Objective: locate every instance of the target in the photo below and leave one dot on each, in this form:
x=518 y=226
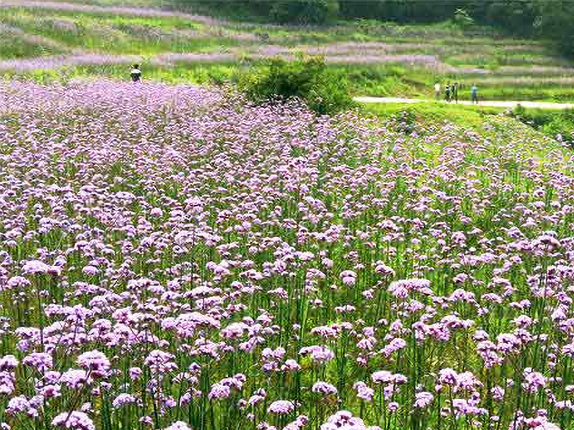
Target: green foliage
x=515 y=16
x=364 y=9
x=463 y=19
x=405 y=121
x=304 y=11
x=551 y=123
x=555 y=21
x=548 y=19
x=407 y=115
x=308 y=79
x=280 y=11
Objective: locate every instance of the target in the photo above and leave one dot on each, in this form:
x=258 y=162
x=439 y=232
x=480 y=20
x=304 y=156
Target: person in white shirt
x=437 y=90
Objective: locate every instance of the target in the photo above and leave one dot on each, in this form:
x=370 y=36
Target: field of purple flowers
x=172 y=257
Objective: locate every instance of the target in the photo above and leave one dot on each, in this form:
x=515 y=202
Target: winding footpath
x=488 y=103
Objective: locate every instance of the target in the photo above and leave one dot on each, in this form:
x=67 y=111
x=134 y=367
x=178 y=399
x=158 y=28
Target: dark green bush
x=555 y=22
x=324 y=90
x=281 y=11
x=305 y=11
x=361 y=9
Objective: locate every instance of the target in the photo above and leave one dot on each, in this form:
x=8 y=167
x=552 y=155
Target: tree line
x=538 y=18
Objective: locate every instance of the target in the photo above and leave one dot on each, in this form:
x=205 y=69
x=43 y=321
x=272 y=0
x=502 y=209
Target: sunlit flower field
x=173 y=258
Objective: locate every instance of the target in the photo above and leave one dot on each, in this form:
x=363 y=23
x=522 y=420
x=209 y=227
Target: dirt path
x=489 y=103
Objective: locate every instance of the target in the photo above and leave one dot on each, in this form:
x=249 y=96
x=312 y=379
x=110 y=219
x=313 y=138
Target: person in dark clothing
x=136 y=73
x=447 y=93
x=454 y=91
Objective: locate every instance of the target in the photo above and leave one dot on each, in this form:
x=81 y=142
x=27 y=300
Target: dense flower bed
x=173 y=258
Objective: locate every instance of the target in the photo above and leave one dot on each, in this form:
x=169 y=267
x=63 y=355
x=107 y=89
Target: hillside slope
x=379 y=59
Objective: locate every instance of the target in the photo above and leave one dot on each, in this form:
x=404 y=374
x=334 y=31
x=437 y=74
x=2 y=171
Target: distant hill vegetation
x=538 y=18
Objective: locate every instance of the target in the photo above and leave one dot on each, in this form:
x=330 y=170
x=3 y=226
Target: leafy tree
x=555 y=22
x=367 y=9
x=516 y=16
x=305 y=11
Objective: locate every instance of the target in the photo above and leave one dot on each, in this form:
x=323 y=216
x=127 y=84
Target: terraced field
x=379 y=59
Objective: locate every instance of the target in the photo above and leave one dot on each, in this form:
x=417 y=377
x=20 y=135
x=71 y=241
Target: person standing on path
x=437 y=90
x=474 y=94
x=447 y=93
x=136 y=73
x=454 y=92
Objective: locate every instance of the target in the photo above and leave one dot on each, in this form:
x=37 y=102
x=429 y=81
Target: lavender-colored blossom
x=179 y=425
x=95 y=361
x=423 y=399
x=323 y=388
x=123 y=399
x=40 y=360
x=281 y=407
x=35 y=267
x=73 y=420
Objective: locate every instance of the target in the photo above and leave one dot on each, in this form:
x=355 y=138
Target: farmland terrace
x=379 y=59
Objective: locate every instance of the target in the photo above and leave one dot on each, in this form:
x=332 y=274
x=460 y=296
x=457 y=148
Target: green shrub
x=551 y=123
x=554 y=21
x=304 y=11
x=561 y=125
x=308 y=79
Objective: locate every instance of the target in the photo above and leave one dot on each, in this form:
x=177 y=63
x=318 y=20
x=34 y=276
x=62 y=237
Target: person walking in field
x=136 y=73
x=447 y=93
x=437 y=90
x=474 y=94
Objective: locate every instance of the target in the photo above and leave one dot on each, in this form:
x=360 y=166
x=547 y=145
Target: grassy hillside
x=99 y=38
